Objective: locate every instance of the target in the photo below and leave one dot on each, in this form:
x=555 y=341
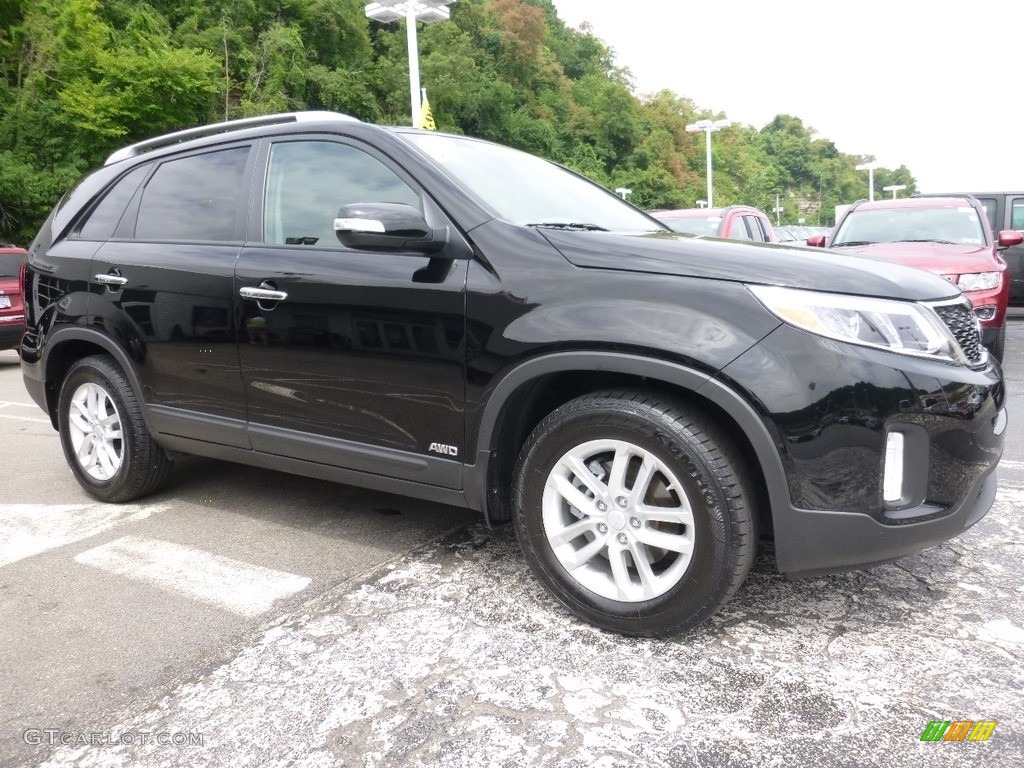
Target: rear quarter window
x=108 y=212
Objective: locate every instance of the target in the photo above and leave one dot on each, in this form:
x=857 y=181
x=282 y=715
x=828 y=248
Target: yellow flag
x=426 y=116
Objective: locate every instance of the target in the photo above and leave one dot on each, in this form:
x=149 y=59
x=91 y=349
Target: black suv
x=446 y=318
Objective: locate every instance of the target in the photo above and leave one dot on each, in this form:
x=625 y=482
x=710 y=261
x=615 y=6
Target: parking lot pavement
x=453 y=655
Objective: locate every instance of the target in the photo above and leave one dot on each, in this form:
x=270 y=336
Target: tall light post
x=709 y=127
x=412 y=11
x=870 y=168
x=894 y=188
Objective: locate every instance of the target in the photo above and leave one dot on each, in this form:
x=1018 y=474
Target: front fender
x=678 y=376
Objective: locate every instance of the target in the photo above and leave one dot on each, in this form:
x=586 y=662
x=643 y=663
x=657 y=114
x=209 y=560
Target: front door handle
x=112 y=280
x=262 y=294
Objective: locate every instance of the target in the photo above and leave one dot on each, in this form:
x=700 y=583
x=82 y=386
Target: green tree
x=79 y=78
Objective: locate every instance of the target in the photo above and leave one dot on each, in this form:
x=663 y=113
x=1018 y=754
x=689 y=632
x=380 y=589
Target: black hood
x=754 y=263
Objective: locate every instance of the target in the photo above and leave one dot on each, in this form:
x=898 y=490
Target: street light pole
x=412 y=11
x=870 y=168
x=894 y=188
x=412 y=42
x=709 y=127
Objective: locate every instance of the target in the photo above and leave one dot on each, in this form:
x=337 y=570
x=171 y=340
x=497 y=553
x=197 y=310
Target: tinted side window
x=308 y=181
x=105 y=216
x=757 y=230
x=738 y=230
x=1017 y=213
x=194 y=198
x=990 y=210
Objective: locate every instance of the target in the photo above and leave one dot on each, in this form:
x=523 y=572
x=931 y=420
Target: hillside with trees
x=81 y=78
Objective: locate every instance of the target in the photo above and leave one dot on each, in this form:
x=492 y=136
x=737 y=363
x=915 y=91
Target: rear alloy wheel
x=94 y=429
x=634 y=513
x=105 y=439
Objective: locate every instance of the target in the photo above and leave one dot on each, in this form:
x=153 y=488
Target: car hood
x=762 y=263
x=940 y=258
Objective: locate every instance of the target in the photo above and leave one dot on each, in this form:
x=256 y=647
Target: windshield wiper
x=940 y=242
x=853 y=242
x=575 y=225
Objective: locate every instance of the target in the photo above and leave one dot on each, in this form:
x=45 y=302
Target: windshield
x=703 y=226
x=960 y=225
x=528 y=190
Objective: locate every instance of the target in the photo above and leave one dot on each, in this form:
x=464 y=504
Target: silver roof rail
x=213 y=129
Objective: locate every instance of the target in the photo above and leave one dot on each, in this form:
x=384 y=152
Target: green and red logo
x=958 y=730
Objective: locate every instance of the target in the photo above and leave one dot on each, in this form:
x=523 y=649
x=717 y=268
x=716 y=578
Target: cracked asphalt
x=453 y=655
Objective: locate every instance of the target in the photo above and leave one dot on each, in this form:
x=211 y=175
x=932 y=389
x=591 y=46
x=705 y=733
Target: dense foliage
x=80 y=78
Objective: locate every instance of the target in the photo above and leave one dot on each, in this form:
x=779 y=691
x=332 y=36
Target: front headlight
x=899 y=326
x=979 y=281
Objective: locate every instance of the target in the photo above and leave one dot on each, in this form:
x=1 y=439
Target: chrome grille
x=964 y=326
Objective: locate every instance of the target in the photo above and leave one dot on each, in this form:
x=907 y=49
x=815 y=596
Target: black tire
x=998 y=347
x=105 y=440
x=674 y=445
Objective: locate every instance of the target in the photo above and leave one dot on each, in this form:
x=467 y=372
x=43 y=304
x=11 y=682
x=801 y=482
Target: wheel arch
x=531 y=390
x=65 y=347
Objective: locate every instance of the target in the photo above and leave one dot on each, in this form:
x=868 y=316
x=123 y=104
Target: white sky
x=936 y=85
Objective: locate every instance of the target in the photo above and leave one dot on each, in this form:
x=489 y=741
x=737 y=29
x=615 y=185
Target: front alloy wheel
x=635 y=512
x=618 y=520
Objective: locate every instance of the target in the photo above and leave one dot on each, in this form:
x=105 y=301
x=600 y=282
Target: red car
x=947 y=235
x=737 y=222
x=12 y=309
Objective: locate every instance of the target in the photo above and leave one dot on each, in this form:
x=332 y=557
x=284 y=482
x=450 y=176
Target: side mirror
x=816 y=241
x=1009 y=238
x=387 y=227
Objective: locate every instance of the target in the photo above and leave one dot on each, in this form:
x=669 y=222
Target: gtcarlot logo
x=52 y=737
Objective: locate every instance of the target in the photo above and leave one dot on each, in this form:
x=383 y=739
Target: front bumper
x=827 y=542
x=830 y=408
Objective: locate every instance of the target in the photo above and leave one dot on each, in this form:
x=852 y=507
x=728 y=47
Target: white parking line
x=38 y=419
x=235 y=586
x=24 y=418
x=30 y=529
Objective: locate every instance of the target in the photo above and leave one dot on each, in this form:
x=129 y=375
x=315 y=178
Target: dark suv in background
x=441 y=317
x=1005 y=210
